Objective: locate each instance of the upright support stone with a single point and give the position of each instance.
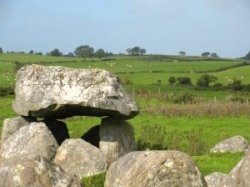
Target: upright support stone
(116, 138)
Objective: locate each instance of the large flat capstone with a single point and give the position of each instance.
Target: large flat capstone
(59, 92)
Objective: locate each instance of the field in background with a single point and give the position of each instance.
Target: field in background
(180, 115)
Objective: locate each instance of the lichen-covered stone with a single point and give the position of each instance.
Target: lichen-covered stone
(12, 125)
(232, 145)
(116, 138)
(35, 172)
(217, 179)
(154, 168)
(32, 140)
(241, 173)
(80, 158)
(59, 92)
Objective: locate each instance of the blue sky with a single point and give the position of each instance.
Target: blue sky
(160, 26)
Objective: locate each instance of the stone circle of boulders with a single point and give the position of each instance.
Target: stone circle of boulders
(232, 145)
(154, 168)
(35, 146)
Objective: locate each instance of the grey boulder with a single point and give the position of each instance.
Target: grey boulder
(217, 179)
(12, 125)
(32, 140)
(116, 138)
(154, 169)
(35, 172)
(59, 92)
(241, 172)
(232, 145)
(80, 158)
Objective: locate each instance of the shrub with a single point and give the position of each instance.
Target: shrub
(5, 91)
(205, 80)
(184, 98)
(172, 80)
(235, 85)
(155, 138)
(184, 81)
(218, 86)
(152, 137)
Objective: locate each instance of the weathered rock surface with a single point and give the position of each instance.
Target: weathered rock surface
(80, 158)
(217, 179)
(11, 125)
(234, 172)
(58, 128)
(32, 140)
(35, 172)
(154, 168)
(92, 136)
(116, 138)
(232, 145)
(59, 92)
(241, 172)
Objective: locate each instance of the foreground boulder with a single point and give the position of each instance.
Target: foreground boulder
(32, 140)
(116, 138)
(59, 92)
(80, 158)
(232, 145)
(35, 172)
(11, 125)
(241, 172)
(154, 168)
(217, 179)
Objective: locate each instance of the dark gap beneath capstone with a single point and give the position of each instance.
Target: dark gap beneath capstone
(65, 111)
(58, 128)
(92, 136)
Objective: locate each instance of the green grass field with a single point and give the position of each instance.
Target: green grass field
(147, 78)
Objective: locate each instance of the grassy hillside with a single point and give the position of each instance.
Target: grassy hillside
(172, 116)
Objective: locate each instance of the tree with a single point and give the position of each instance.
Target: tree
(182, 53)
(235, 85)
(214, 55)
(172, 80)
(84, 51)
(205, 80)
(205, 54)
(38, 53)
(1, 50)
(184, 80)
(135, 51)
(128, 51)
(100, 53)
(31, 52)
(142, 51)
(247, 57)
(55, 52)
(70, 54)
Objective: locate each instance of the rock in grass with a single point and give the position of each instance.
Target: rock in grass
(32, 140)
(241, 172)
(116, 138)
(59, 92)
(217, 179)
(154, 168)
(34, 172)
(232, 145)
(12, 125)
(80, 158)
